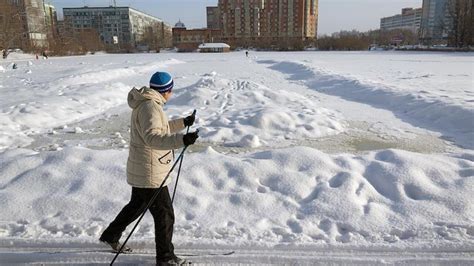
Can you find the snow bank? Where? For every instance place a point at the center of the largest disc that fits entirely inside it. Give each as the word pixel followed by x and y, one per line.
pixel 420 107
pixel 291 196
pixel 19 56
pixel 247 114
pixel 109 74
pixel 31 105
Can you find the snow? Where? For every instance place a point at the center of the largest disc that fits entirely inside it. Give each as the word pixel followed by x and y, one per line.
pixel 37 106
pixel 241 112
pixel 419 90
pixel 309 157
pixel 19 55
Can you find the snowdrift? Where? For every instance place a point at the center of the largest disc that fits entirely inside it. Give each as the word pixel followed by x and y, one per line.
pixel 290 196
pixel 420 108
pixel 247 114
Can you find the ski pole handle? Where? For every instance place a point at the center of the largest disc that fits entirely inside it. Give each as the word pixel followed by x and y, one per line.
pixel 193 114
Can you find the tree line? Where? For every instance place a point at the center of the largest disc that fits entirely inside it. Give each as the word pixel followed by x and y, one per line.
pixel 355 40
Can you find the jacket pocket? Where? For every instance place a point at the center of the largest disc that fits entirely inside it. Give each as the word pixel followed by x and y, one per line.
pixel 166 159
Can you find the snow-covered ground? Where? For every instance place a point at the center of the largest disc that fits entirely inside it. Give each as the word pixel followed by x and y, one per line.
pixel 307 157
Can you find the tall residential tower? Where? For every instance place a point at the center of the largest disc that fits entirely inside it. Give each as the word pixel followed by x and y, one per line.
pixel 246 22
pixel 125 27
pixel 409 19
pixel 435 21
pixel 23 24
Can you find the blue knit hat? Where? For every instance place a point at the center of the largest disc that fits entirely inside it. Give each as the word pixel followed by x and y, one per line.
pixel 161 81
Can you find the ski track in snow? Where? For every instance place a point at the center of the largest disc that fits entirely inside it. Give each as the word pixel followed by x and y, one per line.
pixel 241 256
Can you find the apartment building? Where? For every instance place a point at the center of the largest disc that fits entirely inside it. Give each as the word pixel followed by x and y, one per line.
pixel 51 20
pixel 212 13
pixel 409 19
pixel 435 21
pixel 290 18
pixel 23 24
pixel 240 18
pixel 120 27
pixel 245 22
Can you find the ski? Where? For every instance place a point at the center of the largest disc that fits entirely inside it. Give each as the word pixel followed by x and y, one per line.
pixel 137 252
pixel 207 254
pixel 178 254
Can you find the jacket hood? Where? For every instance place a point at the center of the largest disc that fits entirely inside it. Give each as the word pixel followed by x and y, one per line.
pixel 136 97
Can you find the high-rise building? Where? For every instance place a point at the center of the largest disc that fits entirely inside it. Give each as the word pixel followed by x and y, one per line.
pixel 212 13
pixel 240 18
pixel 270 21
pixel 122 27
pixel 435 21
pixel 51 20
pixel 23 24
pixel 409 19
pixel 290 18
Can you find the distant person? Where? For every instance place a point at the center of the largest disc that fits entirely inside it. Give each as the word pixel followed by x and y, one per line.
pixel 14 66
pixel 4 54
pixel 247 53
pixel 45 55
pixel 150 158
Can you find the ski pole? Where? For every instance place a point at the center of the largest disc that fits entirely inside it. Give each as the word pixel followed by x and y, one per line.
pixel 148 205
pixel 179 168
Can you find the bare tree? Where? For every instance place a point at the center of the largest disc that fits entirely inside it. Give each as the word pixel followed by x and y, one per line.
pixel 17 31
pixel 11 30
pixel 460 24
pixel 153 37
pixel 89 40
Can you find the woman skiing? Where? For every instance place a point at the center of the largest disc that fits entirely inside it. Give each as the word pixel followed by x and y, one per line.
pixel 152 141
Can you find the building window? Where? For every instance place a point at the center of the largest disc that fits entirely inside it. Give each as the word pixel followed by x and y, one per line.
pixel 15 2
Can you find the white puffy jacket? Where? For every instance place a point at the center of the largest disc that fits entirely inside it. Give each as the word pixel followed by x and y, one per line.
pixel 152 139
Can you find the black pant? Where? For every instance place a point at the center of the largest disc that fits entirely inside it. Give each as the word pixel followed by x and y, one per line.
pixel 163 215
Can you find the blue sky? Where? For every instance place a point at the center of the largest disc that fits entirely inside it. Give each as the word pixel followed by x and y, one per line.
pixel 334 15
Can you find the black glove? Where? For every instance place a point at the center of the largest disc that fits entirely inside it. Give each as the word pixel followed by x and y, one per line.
pixel 190 138
pixel 189 121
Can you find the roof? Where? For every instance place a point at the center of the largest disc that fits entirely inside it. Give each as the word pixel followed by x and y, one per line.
pixel 102 8
pixel 213 45
pixel 180 24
